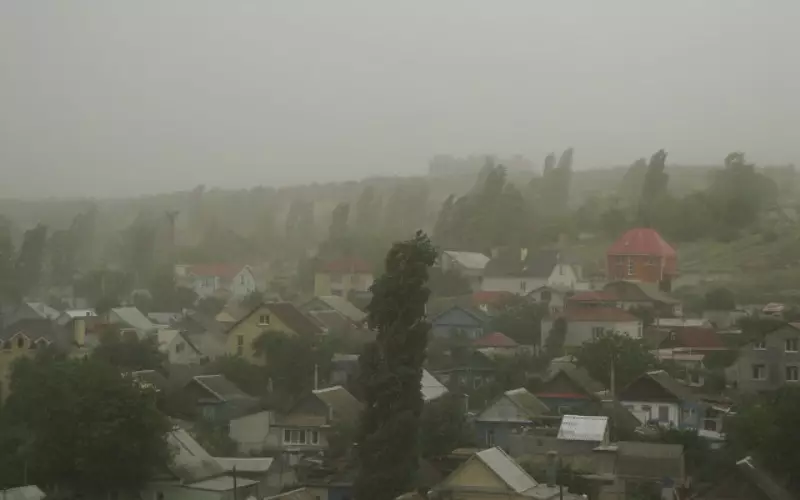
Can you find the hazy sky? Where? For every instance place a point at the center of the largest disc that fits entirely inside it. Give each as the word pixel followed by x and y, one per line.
pixel 124 97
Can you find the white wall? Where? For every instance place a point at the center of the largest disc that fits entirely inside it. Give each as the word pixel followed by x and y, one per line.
pixel 513 284
pixel 184 355
pixel 251 432
pixel 204 286
pixel 638 408
pixel 579 332
pixel 563 276
pixel 504 410
pixel 244 283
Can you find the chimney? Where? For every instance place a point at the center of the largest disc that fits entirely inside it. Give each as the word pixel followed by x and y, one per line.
pixel 79 331
pixel 552 468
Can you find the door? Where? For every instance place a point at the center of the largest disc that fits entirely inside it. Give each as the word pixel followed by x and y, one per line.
pixel 663 414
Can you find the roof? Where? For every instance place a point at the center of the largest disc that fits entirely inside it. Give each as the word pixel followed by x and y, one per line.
pixel 538 264
pixel 256 464
pixel 763 480
pixel 164 318
pixel 642 241
pixel 150 378
pixel 220 387
pixel 344 405
pixel 36 329
pixel 527 402
pixel 583 428
pixel 633 291
pixel 332 321
pixel 43 310
pixel 475 313
pixel 190 461
pixel 488 297
pixel 347 265
pixel 650 460
pixel 507 469
pixel 594 296
pixel 578 375
pixel 221 483
pixel 431 387
pixel 495 339
pixel 343 306
pixel 671 385
pixel 298 494
pixel 601 314
pixel 469 260
pixel 621 417
pixel 223 271
pixel 697 337
pixel 682 322
pixel 79 313
pixel 290 316
pixel 30 492
pixel 134 318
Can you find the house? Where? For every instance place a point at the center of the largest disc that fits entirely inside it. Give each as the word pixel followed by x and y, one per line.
pixel 497 341
pixel 70 315
pixel 468 264
pixel 133 320
pixel 590 429
pixel 208 280
pixel 194 473
pixel 204 332
pixel 641 254
pixel 554 298
pixel 570 389
pixel 512 412
pixel 491 474
pixel 459 322
pixel 471 371
pixel 305 428
pixel 272 475
pixel 523 273
pixel 585 325
pixel 178 348
pixel 643 295
pixel 341 276
pixel 657 397
pixel 768 363
pixel 274 317
pixel 687 338
pixel 216 398
pixel 661 465
pixel 27 310
pixel 335 303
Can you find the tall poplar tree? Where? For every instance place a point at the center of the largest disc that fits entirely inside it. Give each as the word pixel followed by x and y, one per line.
pixel 391 370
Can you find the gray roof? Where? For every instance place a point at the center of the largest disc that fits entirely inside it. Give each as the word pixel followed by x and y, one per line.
pixel 132 317
pixel 343 306
pixel 298 494
pixel 39 329
pixel 650 460
pixel 344 405
pixel 507 469
pixel 679 390
pixel 527 402
pixel 469 260
pixel 763 480
pixel 30 492
pixel 44 311
pixel 191 462
pixel 583 428
pixel 431 387
pixel 537 264
pixel 578 375
pixel 251 464
pixel 220 387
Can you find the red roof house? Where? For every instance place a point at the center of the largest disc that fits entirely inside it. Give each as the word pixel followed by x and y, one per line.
pixel 641 254
pixel 495 339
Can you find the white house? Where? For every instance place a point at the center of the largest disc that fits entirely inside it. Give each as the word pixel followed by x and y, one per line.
pixel 543 268
pixel 586 324
pixel 470 264
pixel 212 279
pixel 178 348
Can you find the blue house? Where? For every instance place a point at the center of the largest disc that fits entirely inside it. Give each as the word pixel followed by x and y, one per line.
pixel 459 322
pixel 513 411
pixel 217 399
pixel 657 398
pixel 570 390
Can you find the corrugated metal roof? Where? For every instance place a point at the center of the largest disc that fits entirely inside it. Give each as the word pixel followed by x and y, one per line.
pixel 344 307
pixel 256 464
pixel 431 388
pixel 134 318
pixel 507 469
pixel 30 492
pixel 298 494
pixel 527 402
pixel 583 428
pixel 191 462
pixel 221 483
pixel 470 260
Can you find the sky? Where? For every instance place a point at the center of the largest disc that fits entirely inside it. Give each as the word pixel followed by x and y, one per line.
pixel 121 98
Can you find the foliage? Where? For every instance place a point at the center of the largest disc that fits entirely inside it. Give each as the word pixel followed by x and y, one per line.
pixel 291 360
pixel 654 186
pixel 630 187
pixel 391 370
pixel 450 283
pixel 211 305
pixel 8 279
pixel 66 420
pixel 214 437
pixel 552 193
pixel 554 345
pixel 520 319
pixel 368 211
pixel 250 378
pixel 443 426
pixel 166 295
pixel 103 283
pixel 128 352
pixel 28 267
pixel 629 357
pixel 765 429
pixel 720 299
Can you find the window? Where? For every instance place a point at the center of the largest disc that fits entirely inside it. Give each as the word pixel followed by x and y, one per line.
pixel 791 345
pixel 663 413
pixel 336 293
pixel 546 296
pixel 20 342
pixel 630 266
pixel 792 374
pixel 760 345
pixel 179 347
pixel 597 332
pixel 300 436
pixel 314 437
pixel 241 279
pixel 759 372
pixel 561 270
pixel 647 409
pixel 490 438
pixel 263 320
pixel 672 336
pixel 239 345
pixel 694 377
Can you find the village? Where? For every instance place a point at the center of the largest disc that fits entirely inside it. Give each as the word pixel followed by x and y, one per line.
pixel 541 381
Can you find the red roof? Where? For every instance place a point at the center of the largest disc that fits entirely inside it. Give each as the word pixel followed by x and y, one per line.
pixel 489 297
pixel 595 296
pixel 347 265
pixel 223 271
pixel 697 337
pixel 495 339
pixel 603 314
pixel 642 241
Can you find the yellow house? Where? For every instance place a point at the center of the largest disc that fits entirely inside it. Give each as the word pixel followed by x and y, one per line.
pixel 341 276
pixel 281 317
pixel 490 475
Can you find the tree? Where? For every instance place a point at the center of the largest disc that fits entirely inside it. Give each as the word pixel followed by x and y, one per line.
pixel 8 278
pixel 211 305
pixel 28 267
pixel 129 353
pixel 391 371
pixel 720 299
pixel 450 283
pixel 654 186
pixel 519 319
pixel 443 426
pixel 292 360
pixel 554 345
pixel 166 295
pixel 68 419
pixel 765 428
pixel 368 211
pixel 629 357
pixel 630 188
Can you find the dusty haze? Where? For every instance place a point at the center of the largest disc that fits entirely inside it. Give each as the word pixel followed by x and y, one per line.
pixel 121 98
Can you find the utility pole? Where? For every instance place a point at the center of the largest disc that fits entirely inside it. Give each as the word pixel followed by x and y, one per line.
pixel 316 376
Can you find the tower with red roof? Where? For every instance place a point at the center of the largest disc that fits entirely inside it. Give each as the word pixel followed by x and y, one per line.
pixel 641 254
